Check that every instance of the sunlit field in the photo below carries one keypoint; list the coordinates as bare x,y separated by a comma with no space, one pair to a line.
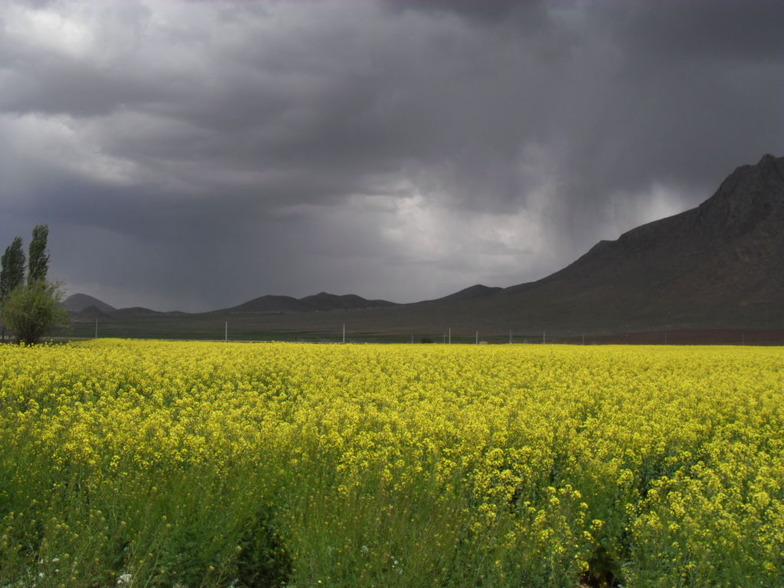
139,463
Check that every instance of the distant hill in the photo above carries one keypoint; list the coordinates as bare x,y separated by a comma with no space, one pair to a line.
317,302
325,301
86,307
77,303
471,293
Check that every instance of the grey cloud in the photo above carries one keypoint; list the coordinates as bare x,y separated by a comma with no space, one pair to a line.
530,14
388,148
705,30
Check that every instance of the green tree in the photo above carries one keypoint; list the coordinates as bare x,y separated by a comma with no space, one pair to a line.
32,310
38,259
12,273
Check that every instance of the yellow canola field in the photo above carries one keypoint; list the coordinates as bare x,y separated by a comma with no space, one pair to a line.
148,463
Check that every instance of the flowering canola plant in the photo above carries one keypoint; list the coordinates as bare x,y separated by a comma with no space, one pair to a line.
152,463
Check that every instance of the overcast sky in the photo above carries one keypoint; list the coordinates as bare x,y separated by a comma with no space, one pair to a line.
194,155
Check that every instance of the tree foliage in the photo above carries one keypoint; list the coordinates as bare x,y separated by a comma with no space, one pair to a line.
32,310
12,273
38,259
29,309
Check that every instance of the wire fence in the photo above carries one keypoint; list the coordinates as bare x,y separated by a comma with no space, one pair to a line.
237,331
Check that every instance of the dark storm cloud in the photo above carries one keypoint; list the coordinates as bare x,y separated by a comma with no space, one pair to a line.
194,155
707,30
531,14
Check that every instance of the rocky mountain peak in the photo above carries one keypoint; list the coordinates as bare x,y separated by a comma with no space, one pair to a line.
749,195
765,178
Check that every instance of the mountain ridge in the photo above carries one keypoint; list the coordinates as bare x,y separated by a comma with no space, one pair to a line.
716,258
80,305
717,265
